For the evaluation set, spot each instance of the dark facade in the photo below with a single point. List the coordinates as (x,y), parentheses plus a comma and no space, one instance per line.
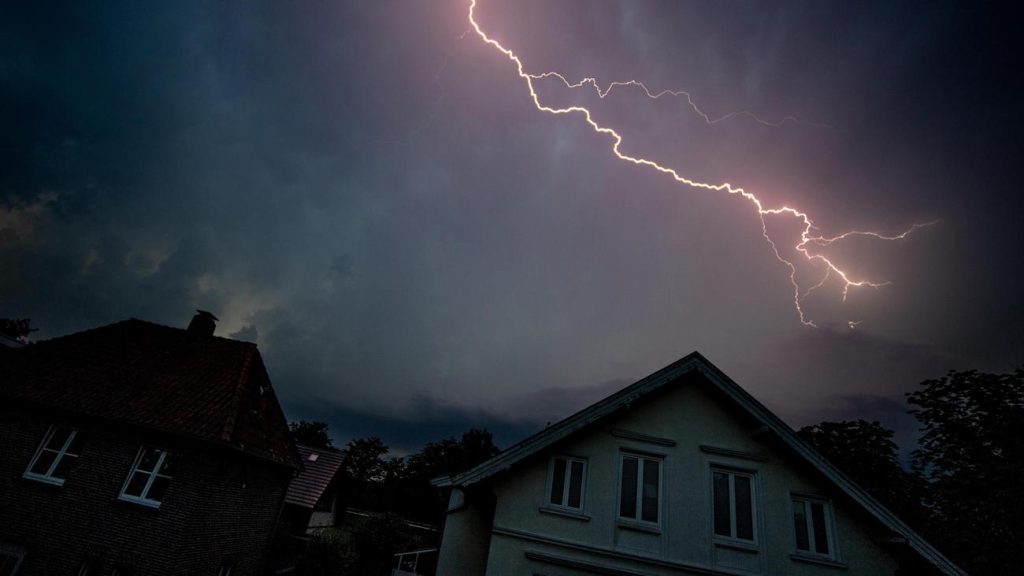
(146,485)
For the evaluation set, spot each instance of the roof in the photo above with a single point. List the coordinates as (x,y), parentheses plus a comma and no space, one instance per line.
(319,469)
(157,377)
(695,363)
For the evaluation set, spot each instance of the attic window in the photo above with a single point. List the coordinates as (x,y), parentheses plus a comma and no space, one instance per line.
(313,457)
(813,527)
(56,454)
(150,476)
(566,479)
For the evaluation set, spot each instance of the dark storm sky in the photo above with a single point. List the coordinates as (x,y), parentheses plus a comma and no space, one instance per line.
(370,196)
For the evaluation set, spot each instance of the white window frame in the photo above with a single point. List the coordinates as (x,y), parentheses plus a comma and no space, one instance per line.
(830,527)
(142,499)
(732,473)
(48,477)
(639,496)
(566,485)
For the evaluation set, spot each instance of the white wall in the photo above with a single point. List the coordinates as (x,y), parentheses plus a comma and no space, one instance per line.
(690,417)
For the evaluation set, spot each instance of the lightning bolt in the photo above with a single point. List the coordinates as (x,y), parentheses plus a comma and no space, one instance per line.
(603,92)
(808,236)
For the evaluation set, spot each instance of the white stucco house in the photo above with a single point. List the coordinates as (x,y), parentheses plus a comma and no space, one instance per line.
(680,473)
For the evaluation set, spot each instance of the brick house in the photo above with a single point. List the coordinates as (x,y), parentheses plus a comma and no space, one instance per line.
(136,448)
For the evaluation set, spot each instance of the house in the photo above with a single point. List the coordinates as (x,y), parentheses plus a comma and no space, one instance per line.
(680,473)
(136,448)
(312,500)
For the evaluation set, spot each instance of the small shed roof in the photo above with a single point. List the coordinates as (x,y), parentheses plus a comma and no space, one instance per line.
(319,469)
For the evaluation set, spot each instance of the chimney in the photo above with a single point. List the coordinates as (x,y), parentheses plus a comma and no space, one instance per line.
(202,324)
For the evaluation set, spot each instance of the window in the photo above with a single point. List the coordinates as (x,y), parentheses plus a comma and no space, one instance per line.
(812,523)
(640,488)
(55,456)
(149,478)
(733,502)
(566,482)
(10,558)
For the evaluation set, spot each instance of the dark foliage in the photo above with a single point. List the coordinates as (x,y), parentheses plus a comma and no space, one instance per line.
(366,461)
(17,328)
(379,482)
(972,456)
(865,452)
(365,547)
(312,434)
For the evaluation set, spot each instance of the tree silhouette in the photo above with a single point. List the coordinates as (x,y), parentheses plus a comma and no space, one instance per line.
(865,452)
(972,456)
(313,434)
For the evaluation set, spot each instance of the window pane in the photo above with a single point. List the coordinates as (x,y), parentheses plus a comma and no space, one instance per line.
(149,459)
(136,484)
(158,488)
(575,484)
(59,437)
(800,524)
(558,482)
(627,500)
(64,466)
(76,444)
(721,502)
(42,464)
(744,508)
(820,534)
(649,512)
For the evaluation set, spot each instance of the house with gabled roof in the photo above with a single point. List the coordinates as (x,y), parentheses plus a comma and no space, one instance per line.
(136,448)
(682,472)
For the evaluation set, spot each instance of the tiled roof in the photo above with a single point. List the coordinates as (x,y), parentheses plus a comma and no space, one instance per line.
(319,468)
(144,374)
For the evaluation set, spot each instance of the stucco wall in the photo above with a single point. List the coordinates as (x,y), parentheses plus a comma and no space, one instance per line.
(467,534)
(691,417)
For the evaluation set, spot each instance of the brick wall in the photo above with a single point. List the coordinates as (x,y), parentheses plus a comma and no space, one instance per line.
(221,505)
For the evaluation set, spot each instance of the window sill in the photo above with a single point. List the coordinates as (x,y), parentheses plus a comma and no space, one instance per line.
(741,545)
(638,526)
(567,513)
(820,560)
(151,504)
(43,479)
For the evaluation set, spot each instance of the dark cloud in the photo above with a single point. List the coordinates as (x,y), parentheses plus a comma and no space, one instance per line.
(370,196)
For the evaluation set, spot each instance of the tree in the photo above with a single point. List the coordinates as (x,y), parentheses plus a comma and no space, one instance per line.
(313,434)
(366,462)
(972,456)
(451,456)
(865,452)
(17,328)
(366,547)
(416,497)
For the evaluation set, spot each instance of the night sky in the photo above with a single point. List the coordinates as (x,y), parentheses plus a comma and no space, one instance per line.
(367,191)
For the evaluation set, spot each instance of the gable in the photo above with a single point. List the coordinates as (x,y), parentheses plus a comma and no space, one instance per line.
(742,409)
